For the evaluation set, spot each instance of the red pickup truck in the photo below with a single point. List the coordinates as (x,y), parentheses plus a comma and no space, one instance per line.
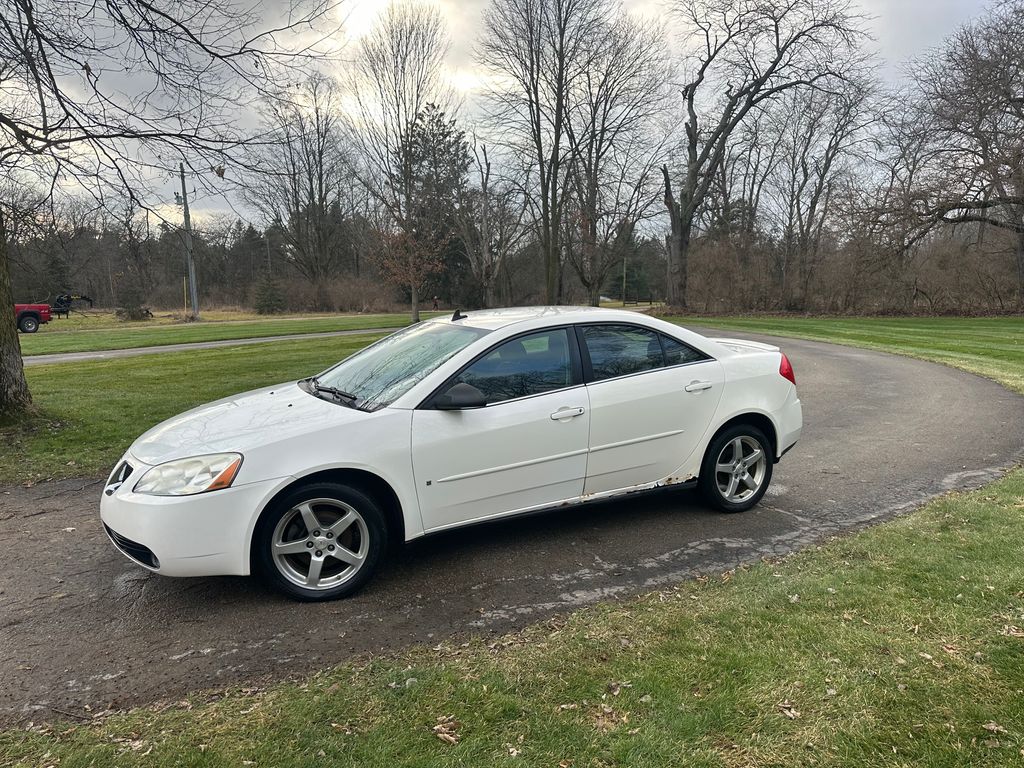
(30,316)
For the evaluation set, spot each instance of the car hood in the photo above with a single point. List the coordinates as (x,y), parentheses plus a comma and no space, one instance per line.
(240,423)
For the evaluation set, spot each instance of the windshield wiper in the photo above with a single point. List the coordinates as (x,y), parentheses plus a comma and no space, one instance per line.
(338,394)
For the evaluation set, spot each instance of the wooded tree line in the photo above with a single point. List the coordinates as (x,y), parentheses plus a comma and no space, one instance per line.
(756,163)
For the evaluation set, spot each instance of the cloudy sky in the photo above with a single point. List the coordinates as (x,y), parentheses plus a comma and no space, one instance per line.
(902,29)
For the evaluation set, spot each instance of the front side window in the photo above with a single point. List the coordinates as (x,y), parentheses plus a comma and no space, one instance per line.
(619,350)
(524,366)
(383,372)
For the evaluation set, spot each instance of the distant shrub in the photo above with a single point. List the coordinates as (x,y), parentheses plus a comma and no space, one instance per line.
(269,297)
(131,308)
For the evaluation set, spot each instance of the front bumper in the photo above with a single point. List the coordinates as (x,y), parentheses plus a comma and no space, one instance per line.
(203,535)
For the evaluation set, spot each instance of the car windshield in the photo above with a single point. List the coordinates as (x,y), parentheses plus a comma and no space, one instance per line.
(383,372)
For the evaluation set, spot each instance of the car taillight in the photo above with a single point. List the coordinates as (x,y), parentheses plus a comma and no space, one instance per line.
(786,369)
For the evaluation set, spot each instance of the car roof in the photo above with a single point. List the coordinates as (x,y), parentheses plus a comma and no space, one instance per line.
(495,319)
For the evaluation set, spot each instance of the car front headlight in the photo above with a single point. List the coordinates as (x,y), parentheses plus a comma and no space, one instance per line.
(185,477)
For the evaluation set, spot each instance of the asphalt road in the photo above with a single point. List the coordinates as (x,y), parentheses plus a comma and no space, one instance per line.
(80,625)
(111,354)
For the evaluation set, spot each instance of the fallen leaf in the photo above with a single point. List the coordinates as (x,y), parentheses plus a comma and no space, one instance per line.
(788,709)
(993,727)
(447,729)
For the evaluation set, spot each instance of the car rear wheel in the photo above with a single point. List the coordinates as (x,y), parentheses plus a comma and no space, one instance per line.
(28,324)
(321,541)
(737,469)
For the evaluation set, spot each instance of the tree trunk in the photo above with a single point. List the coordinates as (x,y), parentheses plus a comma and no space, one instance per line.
(489,291)
(1020,271)
(678,248)
(15,398)
(415,291)
(551,262)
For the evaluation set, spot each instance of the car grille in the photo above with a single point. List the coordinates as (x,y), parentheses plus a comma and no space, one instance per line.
(134,550)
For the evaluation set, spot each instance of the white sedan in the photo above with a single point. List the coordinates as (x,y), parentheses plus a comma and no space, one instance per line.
(446,423)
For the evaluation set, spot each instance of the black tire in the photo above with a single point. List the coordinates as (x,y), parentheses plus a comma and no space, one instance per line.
(710,478)
(328,499)
(28,324)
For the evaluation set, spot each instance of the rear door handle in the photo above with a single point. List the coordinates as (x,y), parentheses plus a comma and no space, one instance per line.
(698,386)
(563,414)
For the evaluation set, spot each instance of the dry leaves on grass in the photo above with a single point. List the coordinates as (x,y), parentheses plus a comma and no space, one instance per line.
(447,729)
(1011,631)
(788,709)
(607,719)
(993,727)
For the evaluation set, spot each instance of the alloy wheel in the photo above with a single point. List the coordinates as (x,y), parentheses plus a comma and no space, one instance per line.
(320,544)
(740,469)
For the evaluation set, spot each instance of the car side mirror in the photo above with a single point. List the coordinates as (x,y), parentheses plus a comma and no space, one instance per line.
(459,397)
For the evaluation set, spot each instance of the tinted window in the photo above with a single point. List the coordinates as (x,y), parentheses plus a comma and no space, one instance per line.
(677,353)
(528,365)
(618,350)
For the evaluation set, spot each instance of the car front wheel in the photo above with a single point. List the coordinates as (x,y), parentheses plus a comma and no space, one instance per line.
(737,469)
(321,541)
(28,324)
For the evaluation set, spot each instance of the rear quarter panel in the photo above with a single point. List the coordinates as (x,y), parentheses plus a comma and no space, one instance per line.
(752,385)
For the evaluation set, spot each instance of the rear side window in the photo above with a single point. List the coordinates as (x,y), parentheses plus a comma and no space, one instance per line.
(528,365)
(677,353)
(619,350)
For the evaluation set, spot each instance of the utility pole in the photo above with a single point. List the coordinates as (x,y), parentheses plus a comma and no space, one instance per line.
(189,260)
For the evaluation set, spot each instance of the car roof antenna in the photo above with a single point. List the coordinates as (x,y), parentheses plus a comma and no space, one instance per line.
(458,315)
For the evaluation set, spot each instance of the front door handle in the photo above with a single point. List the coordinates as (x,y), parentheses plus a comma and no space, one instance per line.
(563,414)
(698,386)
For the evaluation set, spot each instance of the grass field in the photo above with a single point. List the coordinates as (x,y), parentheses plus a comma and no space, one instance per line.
(54,338)
(900,646)
(990,346)
(91,411)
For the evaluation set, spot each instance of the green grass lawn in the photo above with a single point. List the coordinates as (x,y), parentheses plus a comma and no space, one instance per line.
(90,412)
(990,346)
(902,645)
(53,338)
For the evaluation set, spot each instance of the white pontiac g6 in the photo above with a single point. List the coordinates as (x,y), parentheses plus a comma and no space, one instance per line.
(449,422)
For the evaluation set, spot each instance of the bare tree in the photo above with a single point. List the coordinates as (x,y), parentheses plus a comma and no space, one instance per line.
(69,116)
(536,49)
(613,144)
(491,223)
(818,131)
(302,174)
(972,92)
(397,73)
(749,52)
